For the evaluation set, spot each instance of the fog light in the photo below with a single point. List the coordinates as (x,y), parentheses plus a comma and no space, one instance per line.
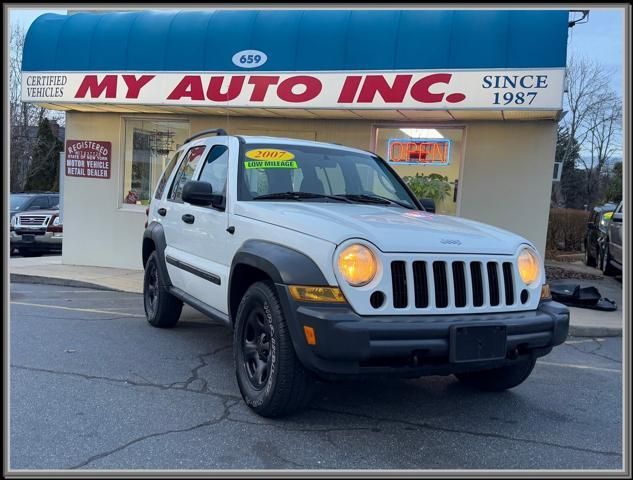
(546,293)
(317,294)
(310,335)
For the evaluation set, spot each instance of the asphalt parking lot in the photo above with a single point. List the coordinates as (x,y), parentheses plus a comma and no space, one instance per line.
(93,386)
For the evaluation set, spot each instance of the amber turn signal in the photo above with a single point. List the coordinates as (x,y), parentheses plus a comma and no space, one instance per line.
(546,293)
(316,294)
(310,335)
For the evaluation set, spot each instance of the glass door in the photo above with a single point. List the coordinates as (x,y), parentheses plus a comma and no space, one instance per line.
(429,159)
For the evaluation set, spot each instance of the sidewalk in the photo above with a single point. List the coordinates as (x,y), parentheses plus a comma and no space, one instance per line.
(50,270)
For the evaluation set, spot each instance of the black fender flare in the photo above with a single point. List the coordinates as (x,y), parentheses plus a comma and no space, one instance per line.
(282,264)
(156,234)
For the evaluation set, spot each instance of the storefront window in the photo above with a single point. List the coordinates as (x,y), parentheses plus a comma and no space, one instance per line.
(428,158)
(149,145)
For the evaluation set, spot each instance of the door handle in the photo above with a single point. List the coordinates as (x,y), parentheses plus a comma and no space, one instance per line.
(162,211)
(188,218)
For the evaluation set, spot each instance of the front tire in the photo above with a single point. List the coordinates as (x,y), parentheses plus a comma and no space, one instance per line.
(607,268)
(272,380)
(162,309)
(590,260)
(499,379)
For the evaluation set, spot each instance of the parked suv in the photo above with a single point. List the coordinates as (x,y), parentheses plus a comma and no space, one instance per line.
(596,229)
(325,264)
(611,242)
(37,231)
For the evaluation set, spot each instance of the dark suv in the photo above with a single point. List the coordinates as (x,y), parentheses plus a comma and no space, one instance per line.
(596,228)
(611,242)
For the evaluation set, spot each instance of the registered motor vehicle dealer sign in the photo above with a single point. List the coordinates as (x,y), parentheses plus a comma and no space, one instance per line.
(426,90)
(88,158)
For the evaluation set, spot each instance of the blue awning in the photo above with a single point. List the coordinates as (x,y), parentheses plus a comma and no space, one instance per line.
(296,40)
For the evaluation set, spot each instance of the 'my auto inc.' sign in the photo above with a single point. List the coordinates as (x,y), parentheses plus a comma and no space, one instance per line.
(462,89)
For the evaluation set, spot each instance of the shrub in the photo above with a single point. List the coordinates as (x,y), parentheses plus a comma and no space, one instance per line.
(566,230)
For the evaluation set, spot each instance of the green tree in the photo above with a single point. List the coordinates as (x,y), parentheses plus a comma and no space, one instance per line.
(614,188)
(44,169)
(572,179)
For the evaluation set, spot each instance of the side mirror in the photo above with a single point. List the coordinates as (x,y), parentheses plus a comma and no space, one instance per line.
(200,193)
(617,217)
(428,204)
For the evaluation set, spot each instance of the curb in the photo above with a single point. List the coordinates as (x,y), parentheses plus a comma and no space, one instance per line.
(591,331)
(64,282)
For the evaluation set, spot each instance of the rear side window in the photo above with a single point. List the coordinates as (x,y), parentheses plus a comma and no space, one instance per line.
(185,172)
(166,174)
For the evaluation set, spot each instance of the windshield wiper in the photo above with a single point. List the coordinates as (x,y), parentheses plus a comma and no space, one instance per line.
(298,196)
(378,199)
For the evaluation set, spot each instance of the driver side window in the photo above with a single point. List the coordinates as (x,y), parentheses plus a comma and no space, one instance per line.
(214,169)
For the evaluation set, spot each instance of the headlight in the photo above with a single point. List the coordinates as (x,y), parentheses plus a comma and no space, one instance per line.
(56,222)
(357,264)
(529,266)
(13,220)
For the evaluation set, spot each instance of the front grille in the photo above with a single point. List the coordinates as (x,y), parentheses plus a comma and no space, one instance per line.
(32,220)
(447,284)
(421,285)
(399,284)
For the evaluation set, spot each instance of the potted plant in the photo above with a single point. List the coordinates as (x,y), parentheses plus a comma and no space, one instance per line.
(434,186)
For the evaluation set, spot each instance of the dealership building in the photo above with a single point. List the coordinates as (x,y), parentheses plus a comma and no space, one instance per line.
(472,95)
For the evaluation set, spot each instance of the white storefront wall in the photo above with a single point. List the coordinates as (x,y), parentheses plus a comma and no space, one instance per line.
(505,180)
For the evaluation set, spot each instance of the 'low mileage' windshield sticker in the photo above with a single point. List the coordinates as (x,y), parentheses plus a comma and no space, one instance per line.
(270,158)
(270,164)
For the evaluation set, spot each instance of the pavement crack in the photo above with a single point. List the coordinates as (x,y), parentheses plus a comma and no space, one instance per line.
(436,428)
(208,423)
(595,351)
(287,428)
(127,381)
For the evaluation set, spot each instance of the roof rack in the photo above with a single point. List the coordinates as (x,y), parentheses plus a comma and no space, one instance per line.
(216,131)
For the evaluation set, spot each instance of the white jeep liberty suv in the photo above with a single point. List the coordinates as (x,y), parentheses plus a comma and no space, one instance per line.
(324,264)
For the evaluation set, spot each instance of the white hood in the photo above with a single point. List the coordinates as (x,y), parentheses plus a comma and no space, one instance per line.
(391,229)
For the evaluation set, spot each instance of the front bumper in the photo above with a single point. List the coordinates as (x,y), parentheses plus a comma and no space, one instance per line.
(411,345)
(37,240)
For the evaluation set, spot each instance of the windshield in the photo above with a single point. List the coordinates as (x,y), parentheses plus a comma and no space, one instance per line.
(18,201)
(318,174)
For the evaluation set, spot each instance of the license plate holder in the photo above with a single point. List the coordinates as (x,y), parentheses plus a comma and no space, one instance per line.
(473,343)
(28,237)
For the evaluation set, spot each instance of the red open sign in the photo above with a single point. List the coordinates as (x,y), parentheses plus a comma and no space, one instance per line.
(427,151)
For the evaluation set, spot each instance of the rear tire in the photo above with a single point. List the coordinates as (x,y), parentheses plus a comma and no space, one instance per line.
(272,380)
(499,379)
(162,309)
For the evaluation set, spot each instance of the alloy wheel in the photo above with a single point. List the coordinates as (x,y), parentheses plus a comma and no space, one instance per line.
(152,289)
(256,353)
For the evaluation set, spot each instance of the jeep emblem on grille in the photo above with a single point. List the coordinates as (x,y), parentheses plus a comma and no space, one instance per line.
(448,241)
